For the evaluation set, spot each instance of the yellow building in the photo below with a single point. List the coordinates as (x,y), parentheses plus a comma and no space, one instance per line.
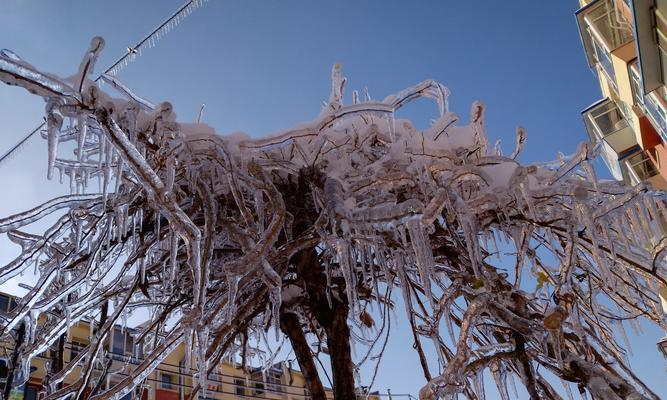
(630,120)
(170,381)
(625,42)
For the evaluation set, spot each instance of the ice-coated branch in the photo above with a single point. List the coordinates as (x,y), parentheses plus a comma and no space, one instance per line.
(218,240)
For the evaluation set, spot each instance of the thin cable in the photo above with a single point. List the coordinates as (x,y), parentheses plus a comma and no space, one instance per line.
(18,146)
(132,52)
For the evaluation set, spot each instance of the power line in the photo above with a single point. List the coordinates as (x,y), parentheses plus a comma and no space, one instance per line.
(132,53)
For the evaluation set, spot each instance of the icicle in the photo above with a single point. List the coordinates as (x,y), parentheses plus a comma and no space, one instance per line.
(327,272)
(590,172)
(173,254)
(232,290)
(91,327)
(142,268)
(78,223)
(53,124)
(423,255)
(158,220)
(274,283)
(275,298)
(343,252)
(81,136)
(525,192)
(500,376)
(515,393)
(568,390)
(478,383)
(259,208)
(187,359)
(68,317)
(108,155)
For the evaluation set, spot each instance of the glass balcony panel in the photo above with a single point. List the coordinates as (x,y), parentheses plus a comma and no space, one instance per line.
(636,85)
(603,59)
(640,168)
(606,120)
(604,28)
(608,24)
(657,114)
(606,124)
(610,159)
(652,105)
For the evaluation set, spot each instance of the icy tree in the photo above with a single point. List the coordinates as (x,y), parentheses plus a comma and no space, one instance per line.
(311,232)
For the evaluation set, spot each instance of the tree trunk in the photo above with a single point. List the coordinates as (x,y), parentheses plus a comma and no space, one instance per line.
(332,318)
(289,323)
(338,341)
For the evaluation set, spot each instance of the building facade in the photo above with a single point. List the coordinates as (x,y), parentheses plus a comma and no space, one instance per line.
(621,39)
(170,381)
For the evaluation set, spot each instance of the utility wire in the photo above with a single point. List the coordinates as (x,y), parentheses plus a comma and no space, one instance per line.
(147,41)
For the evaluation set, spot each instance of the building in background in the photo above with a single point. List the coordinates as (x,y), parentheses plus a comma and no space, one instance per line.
(625,42)
(630,121)
(171,380)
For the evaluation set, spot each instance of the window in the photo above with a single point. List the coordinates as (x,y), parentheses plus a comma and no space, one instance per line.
(636,84)
(239,387)
(118,345)
(139,350)
(3,372)
(30,393)
(269,381)
(123,347)
(166,381)
(273,381)
(640,168)
(661,39)
(4,303)
(259,388)
(77,345)
(212,383)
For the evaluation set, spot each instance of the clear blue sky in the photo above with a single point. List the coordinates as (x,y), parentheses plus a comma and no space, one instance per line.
(261,66)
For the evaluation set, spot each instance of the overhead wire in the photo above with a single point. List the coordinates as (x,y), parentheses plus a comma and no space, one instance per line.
(130,55)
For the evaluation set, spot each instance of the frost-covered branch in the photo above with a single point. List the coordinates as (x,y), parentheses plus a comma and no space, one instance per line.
(219,240)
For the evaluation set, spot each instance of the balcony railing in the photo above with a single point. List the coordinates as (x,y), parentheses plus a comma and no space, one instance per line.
(608,24)
(603,59)
(652,105)
(605,123)
(656,112)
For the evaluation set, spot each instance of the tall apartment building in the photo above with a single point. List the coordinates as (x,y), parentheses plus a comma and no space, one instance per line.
(171,380)
(625,43)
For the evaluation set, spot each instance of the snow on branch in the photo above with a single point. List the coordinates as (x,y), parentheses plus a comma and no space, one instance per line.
(220,239)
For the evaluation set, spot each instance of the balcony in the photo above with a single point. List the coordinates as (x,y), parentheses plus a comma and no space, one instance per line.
(640,168)
(605,123)
(604,26)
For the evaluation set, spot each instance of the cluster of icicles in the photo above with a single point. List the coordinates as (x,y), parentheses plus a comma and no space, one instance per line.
(517,265)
